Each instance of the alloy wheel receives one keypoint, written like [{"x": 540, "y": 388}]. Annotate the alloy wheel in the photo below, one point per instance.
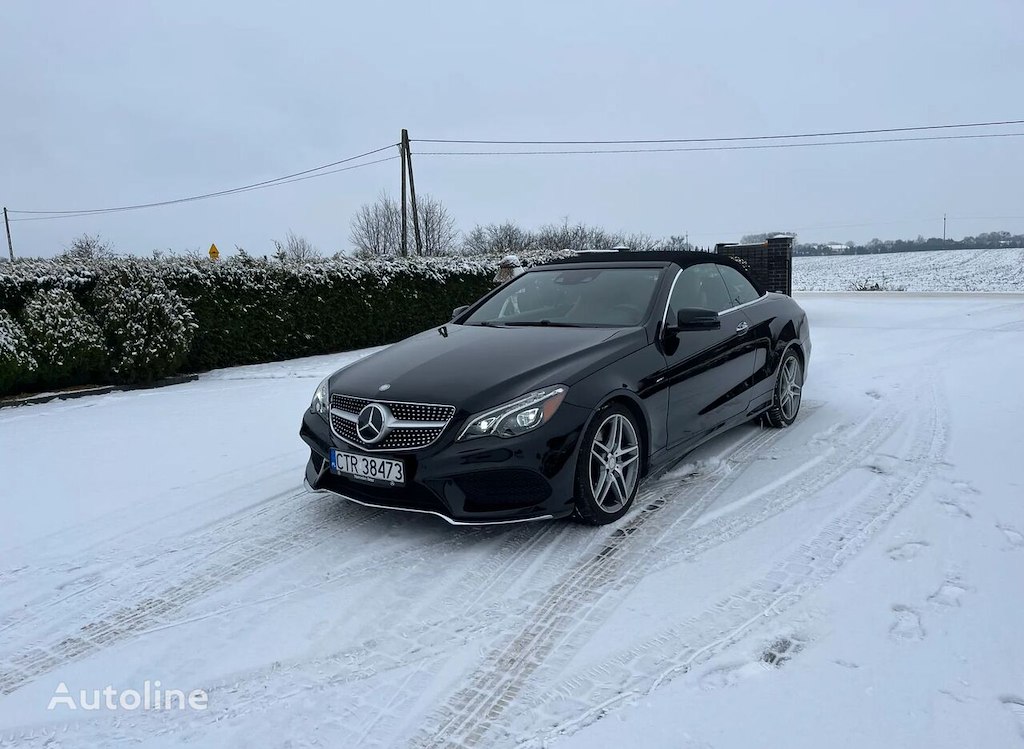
[
  {"x": 790, "y": 385},
  {"x": 614, "y": 463}
]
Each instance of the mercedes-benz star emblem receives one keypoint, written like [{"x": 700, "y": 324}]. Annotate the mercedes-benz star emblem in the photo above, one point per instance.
[{"x": 372, "y": 423}]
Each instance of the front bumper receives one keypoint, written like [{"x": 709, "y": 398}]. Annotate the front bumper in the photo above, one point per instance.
[{"x": 480, "y": 482}]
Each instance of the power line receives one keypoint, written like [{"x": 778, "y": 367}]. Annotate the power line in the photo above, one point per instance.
[
  {"x": 327, "y": 169},
  {"x": 836, "y": 133},
  {"x": 986, "y": 218},
  {"x": 283, "y": 180},
  {"x": 763, "y": 146},
  {"x": 235, "y": 192}
]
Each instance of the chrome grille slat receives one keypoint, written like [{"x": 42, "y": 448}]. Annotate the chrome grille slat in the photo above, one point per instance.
[{"x": 430, "y": 421}]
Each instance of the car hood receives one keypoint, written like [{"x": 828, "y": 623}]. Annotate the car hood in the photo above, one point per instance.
[{"x": 476, "y": 367}]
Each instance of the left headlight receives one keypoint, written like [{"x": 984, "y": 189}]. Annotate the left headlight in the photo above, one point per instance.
[
  {"x": 321, "y": 402},
  {"x": 516, "y": 417}
]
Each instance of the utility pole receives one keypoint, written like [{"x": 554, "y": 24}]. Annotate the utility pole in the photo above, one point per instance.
[
  {"x": 7, "y": 225},
  {"x": 943, "y": 227},
  {"x": 412, "y": 192},
  {"x": 405, "y": 225}
]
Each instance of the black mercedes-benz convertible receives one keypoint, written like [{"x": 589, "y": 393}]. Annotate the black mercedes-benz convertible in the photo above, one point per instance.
[{"x": 556, "y": 393}]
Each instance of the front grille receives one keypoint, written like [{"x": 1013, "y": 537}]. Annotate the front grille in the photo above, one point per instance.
[
  {"x": 430, "y": 420},
  {"x": 344, "y": 428},
  {"x": 347, "y": 403},
  {"x": 421, "y": 412}
]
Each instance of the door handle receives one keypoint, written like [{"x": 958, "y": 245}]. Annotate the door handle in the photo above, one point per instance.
[{"x": 742, "y": 328}]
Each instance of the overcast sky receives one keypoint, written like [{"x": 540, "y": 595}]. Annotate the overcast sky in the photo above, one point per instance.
[{"x": 114, "y": 103}]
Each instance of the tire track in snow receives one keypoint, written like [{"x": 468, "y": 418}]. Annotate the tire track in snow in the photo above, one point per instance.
[
  {"x": 471, "y": 601},
  {"x": 464, "y": 719},
  {"x": 104, "y": 550},
  {"x": 99, "y": 571},
  {"x": 477, "y": 613},
  {"x": 266, "y": 688},
  {"x": 216, "y": 562},
  {"x": 583, "y": 598},
  {"x": 274, "y": 528},
  {"x": 634, "y": 673}
]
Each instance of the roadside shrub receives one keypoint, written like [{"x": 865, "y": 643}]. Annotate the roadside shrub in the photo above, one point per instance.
[
  {"x": 147, "y": 326},
  {"x": 64, "y": 338},
  {"x": 17, "y": 365},
  {"x": 88, "y": 247},
  {"x": 164, "y": 315},
  {"x": 252, "y": 311}
]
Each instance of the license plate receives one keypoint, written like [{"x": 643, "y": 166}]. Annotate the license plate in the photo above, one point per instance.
[{"x": 368, "y": 468}]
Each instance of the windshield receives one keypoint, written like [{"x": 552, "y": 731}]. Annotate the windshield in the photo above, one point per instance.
[{"x": 584, "y": 297}]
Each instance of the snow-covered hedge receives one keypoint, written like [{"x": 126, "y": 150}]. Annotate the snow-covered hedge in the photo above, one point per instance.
[
  {"x": 147, "y": 325},
  {"x": 65, "y": 339},
  {"x": 17, "y": 365},
  {"x": 244, "y": 310}
]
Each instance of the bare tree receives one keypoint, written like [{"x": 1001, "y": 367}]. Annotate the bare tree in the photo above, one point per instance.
[
  {"x": 377, "y": 228},
  {"x": 440, "y": 237},
  {"x": 639, "y": 242},
  {"x": 88, "y": 247},
  {"x": 675, "y": 242},
  {"x": 499, "y": 239},
  {"x": 295, "y": 249},
  {"x": 476, "y": 241}
]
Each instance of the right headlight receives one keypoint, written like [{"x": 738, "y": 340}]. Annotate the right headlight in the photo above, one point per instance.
[
  {"x": 320, "y": 404},
  {"x": 516, "y": 417}
]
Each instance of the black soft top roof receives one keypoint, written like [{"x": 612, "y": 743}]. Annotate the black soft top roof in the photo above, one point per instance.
[{"x": 681, "y": 258}]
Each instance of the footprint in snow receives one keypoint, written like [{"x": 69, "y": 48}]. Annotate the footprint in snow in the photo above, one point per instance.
[
  {"x": 1016, "y": 707},
  {"x": 882, "y": 465},
  {"x": 948, "y": 595},
  {"x": 1015, "y": 537},
  {"x": 723, "y": 676},
  {"x": 782, "y": 650},
  {"x": 907, "y": 626},
  {"x": 953, "y": 508},
  {"x": 907, "y": 551},
  {"x": 778, "y": 652}
]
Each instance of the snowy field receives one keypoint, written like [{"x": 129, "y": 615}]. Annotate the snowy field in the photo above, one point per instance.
[
  {"x": 852, "y": 581},
  {"x": 955, "y": 270}
]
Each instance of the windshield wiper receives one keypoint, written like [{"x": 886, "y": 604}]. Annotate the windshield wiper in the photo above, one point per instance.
[
  {"x": 544, "y": 324},
  {"x": 489, "y": 324}
]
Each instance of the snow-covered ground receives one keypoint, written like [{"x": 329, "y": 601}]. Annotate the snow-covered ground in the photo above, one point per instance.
[
  {"x": 853, "y": 581},
  {"x": 954, "y": 270}
]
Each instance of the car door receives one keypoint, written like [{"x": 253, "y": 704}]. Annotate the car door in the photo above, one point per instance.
[
  {"x": 707, "y": 371},
  {"x": 744, "y": 294}
]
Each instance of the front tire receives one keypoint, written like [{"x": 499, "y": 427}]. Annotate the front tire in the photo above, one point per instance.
[
  {"x": 788, "y": 392},
  {"x": 609, "y": 466}
]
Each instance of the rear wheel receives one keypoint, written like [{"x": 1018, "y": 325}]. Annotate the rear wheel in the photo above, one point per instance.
[
  {"x": 788, "y": 392},
  {"x": 608, "y": 468}
]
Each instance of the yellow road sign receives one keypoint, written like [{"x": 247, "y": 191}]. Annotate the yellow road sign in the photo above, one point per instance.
[{"x": 214, "y": 252}]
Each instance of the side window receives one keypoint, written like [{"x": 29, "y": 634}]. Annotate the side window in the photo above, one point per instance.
[
  {"x": 700, "y": 286},
  {"x": 740, "y": 289}
]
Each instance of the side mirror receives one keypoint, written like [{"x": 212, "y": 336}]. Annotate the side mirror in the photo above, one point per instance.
[
  {"x": 695, "y": 318},
  {"x": 459, "y": 310}
]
